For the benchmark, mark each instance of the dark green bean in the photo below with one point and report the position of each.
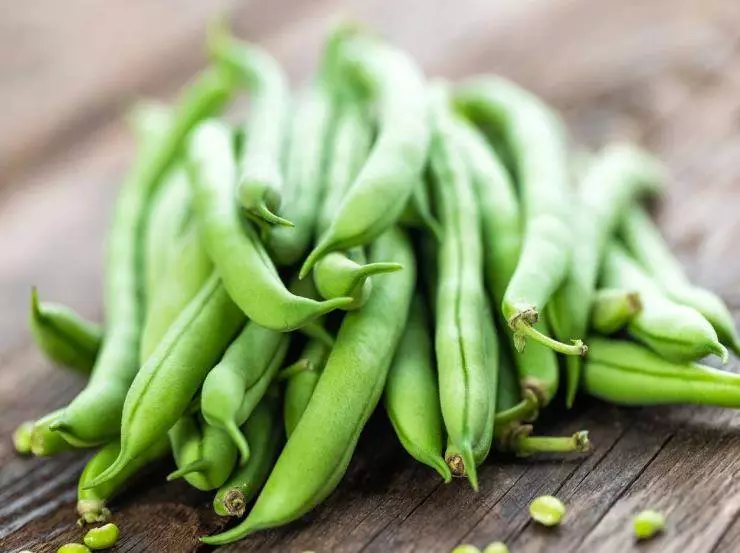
(325, 438)
(241, 261)
(63, 336)
(94, 416)
(645, 243)
(412, 395)
(620, 175)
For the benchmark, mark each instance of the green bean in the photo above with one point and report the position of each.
(103, 537)
(188, 269)
(547, 510)
(648, 523)
(645, 243)
(613, 309)
(44, 441)
(615, 179)
(166, 384)
(63, 336)
(241, 261)
(379, 193)
(73, 548)
(255, 353)
(338, 275)
(418, 211)
(536, 137)
(263, 431)
(204, 455)
(496, 547)
(169, 214)
(630, 374)
(94, 416)
(304, 173)
(467, 395)
(502, 238)
(300, 387)
(92, 502)
(412, 395)
(677, 332)
(466, 548)
(260, 182)
(325, 438)
(22, 437)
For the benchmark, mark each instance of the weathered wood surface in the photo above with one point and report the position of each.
(663, 72)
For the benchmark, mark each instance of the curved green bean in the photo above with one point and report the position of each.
(412, 396)
(466, 393)
(263, 431)
(630, 374)
(94, 416)
(92, 501)
(63, 336)
(501, 223)
(377, 197)
(164, 387)
(300, 387)
(613, 309)
(537, 139)
(260, 183)
(645, 243)
(241, 261)
(677, 332)
(325, 438)
(620, 175)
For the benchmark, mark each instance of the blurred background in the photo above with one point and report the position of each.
(664, 73)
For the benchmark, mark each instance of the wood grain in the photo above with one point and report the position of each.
(664, 73)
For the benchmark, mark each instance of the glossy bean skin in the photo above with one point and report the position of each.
(263, 431)
(677, 332)
(378, 195)
(412, 396)
(241, 261)
(63, 336)
(260, 182)
(620, 175)
(94, 416)
(501, 222)
(627, 373)
(204, 455)
(645, 243)
(44, 441)
(309, 134)
(169, 213)
(249, 357)
(164, 387)
(300, 387)
(103, 537)
(342, 401)
(613, 309)
(522, 121)
(466, 394)
(92, 502)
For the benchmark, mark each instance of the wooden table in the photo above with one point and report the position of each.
(665, 73)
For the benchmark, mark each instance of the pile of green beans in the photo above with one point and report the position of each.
(373, 236)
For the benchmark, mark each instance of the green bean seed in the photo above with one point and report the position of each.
(325, 438)
(466, 548)
(73, 548)
(547, 510)
(412, 395)
(92, 501)
(94, 416)
(613, 309)
(377, 197)
(615, 179)
(677, 332)
(63, 336)
(647, 524)
(103, 537)
(241, 261)
(496, 547)
(262, 431)
(260, 182)
(630, 374)
(645, 243)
